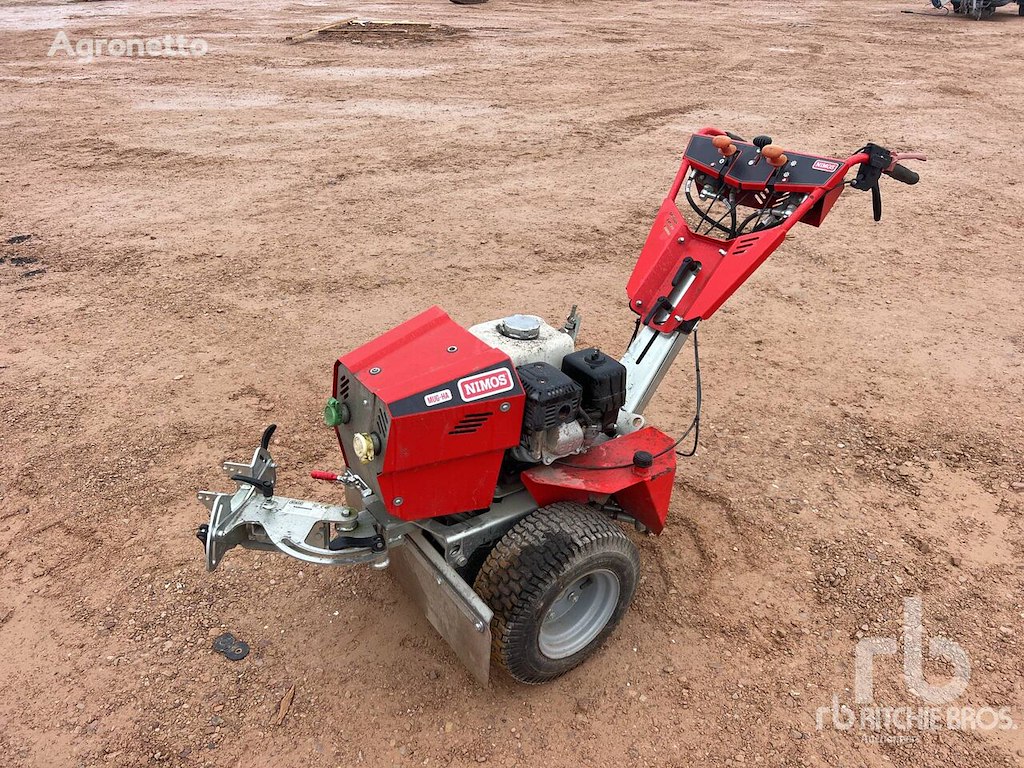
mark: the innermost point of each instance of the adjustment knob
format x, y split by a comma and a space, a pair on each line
775, 156
366, 446
724, 146
336, 413
762, 141
643, 460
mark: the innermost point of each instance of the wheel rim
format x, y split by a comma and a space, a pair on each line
578, 614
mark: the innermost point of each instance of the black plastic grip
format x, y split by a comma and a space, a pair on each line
267, 434
263, 486
904, 174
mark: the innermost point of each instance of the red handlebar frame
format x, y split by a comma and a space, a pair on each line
724, 264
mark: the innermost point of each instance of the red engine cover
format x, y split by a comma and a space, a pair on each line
451, 407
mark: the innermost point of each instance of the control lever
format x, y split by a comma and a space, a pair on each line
263, 486
266, 487
879, 160
774, 155
319, 474
724, 146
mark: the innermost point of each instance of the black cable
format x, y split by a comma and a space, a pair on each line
733, 205
751, 218
769, 204
706, 214
777, 200
699, 212
730, 233
694, 425
636, 330
736, 228
943, 8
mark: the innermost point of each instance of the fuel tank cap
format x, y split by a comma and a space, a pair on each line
520, 327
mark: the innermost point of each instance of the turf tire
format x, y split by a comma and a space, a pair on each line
532, 565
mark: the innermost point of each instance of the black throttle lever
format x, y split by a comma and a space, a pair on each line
869, 174
266, 487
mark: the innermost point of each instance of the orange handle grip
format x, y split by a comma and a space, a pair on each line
775, 156
724, 145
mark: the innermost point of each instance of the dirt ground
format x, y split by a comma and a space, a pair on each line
208, 234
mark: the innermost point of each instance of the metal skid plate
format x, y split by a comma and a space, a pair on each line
448, 602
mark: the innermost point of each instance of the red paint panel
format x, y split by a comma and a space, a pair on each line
444, 461
607, 470
446, 432
413, 357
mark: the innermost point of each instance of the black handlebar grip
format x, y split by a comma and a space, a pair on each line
904, 174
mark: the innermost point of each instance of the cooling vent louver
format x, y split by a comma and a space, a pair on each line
470, 423
744, 244
382, 423
343, 387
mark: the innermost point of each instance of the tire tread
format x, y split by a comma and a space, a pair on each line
529, 557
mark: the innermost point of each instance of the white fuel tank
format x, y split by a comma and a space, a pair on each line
525, 339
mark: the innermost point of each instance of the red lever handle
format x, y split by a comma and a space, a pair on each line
899, 157
319, 474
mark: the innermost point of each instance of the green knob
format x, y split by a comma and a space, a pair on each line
335, 413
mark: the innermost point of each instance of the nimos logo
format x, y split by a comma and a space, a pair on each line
936, 711
168, 46
486, 384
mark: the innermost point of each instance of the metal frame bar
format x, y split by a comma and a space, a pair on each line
647, 360
461, 539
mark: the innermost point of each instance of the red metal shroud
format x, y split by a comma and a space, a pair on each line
725, 264
452, 405
607, 470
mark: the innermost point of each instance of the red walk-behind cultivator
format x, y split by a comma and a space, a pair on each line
491, 467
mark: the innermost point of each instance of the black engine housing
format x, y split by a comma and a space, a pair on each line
552, 398
603, 380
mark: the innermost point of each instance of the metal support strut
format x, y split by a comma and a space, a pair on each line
647, 360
